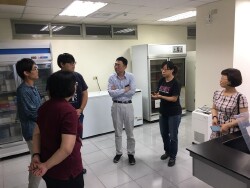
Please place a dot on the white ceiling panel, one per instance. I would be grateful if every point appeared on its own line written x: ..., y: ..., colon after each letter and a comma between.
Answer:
x: 131, y: 2
x: 10, y: 15
x: 71, y: 19
x: 123, y: 11
x: 119, y: 21
x: 146, y: 10
x: 118, y: 8
x: 129, y: 16
x: 49, y: 3
x: 42, y: 10
x: 37, y: 17
x: 11, y: 9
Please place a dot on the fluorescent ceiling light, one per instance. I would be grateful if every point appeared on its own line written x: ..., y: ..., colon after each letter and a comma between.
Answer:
x: 53, y: 28
x: 179, y: 17
x: 128, y: 30
x: 82, y: 8
x: 58, y: 28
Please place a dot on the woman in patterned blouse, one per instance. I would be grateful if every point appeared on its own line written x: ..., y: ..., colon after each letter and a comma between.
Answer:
x: 228, y: 102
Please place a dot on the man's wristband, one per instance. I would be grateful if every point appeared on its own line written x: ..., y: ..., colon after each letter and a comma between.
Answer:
x: 214, y: 117
x: 34, y: 154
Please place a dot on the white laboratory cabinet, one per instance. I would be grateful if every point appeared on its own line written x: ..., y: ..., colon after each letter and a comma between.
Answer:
x: 97, y: 114
x: 201, y: 123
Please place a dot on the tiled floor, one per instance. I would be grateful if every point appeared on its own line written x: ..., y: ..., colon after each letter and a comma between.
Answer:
x: 98, y: 153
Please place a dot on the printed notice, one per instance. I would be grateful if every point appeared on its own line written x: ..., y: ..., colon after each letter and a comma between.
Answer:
x: 157, y: 103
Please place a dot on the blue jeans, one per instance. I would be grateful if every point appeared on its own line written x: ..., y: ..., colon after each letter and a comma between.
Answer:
x: 169, y: 133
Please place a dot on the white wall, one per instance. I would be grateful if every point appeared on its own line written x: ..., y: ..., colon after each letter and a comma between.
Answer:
x: 242, y: 41
x: 96, y: 57
x: 214, y: 47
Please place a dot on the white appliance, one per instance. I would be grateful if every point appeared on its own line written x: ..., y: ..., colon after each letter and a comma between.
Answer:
x: 201, y: 122
x: 97, y: 114
x: 146, y: 67
x: 11, y: 140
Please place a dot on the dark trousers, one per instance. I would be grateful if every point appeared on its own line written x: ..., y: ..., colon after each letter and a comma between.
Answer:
x: 169, y: 132
x: 81, y: 121
x: 77, y: 182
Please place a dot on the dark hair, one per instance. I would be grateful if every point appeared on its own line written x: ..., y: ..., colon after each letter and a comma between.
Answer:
x: 233, y: 76
x: 123, y: 60
x: 61, y: 84
x: 65, y: 58
x: 24, y: 64
x: 170, y: 66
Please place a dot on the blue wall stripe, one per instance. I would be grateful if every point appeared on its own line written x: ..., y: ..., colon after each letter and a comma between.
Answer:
x: 24, y: 51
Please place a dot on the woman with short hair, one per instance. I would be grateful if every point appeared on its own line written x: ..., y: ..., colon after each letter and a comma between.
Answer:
x: 56, y: 136
x: 228, y: 102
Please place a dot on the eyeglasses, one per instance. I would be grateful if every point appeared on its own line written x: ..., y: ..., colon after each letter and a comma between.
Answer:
x: 72, y: 63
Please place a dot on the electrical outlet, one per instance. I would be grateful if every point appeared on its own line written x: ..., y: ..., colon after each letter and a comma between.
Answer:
x: 95, y: 78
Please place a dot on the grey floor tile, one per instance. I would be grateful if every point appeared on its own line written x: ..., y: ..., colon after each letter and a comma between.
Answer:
x: 114, y: 178
x: 89, y: 148
x: 154, y: 180
x: 94, y: 157
x: 106, y: 143
x: 98, y: 153
x: 138, y: 170
x: 131, y: 184
x: 193, y: 183
x: 175, y: 174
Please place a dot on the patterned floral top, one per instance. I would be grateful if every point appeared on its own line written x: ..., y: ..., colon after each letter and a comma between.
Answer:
x: 227, y: 106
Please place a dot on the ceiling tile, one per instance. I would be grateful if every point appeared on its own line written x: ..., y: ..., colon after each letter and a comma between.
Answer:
x: 42, y: 10
x: 10, y: 15
x: 49, y: 3
x: 118, y: 8
x: 11, y: 9
x: 123, y: 11
x: 67, y: 19
x: 38, y: 17
x: 146, y: 10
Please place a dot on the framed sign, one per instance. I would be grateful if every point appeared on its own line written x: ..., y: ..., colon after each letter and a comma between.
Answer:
x: 177, y: 49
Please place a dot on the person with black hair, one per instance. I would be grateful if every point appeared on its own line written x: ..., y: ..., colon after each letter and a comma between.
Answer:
x: 121, y: 87
x: 56, y: 142
x: 168, y: 91
x: 228, y: 102
x: 28, y: 102
x: 79, y: 101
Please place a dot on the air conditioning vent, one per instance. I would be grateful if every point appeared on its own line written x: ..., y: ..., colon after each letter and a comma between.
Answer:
x: 191, y: 32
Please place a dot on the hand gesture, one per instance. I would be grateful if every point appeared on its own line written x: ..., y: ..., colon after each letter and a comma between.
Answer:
x: 155, y: 95
x: 39, y: 170
x: 224, y: 128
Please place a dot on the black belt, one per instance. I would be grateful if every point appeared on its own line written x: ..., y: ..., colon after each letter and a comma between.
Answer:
x: 123, y: 102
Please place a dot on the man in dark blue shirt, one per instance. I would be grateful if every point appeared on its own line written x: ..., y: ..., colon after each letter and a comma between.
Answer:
x: 28, y: 102
x: 67, y: 62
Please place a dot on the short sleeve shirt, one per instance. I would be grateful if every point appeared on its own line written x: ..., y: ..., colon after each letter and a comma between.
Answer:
x: 169, y: 89
x: 227, y: 106
x: 57, y: 117
x: 76, y: 100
